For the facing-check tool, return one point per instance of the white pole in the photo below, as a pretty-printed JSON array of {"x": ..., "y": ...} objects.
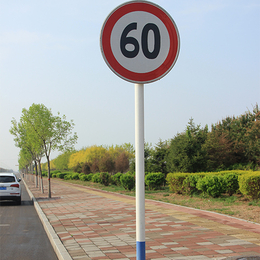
[{"x": 139, "y": 171}]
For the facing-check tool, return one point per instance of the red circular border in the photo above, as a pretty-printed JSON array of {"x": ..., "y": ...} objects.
[{"x": 107, "y": 50}]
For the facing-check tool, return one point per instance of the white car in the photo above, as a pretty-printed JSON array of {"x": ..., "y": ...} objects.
[{"x": 10, "y": 187}]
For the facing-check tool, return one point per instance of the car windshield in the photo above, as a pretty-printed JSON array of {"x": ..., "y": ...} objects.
[{"x": 5, "y": 179}]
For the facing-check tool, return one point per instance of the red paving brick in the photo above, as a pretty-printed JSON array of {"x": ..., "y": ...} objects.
[{"x": 103, "y": 225}]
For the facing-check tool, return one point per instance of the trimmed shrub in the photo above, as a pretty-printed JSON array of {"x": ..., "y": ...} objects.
[
  {"x": 61, "y": 175},
  {"x": 213, "y": 185},
  {"x": 68, "y": 177},
  {"x": 237, "y": 172},
  {"x": 127, "y": 180},
  {"x": 96, "y": 178},
  {"x": 54, "y": 175},
  {"x": 249, "y": 185},
  {"x": 55, "y": 172},
  {"x": 104, "y": 178},
  {"x": 83, "y": 177},
  {"x": 190, "y": 184},
  {"x": 154, "y": 180},
  {"x": 75, "y": 176},
  {"x": 231, "y": 183},
  {"x": 81, "y": 174},
  {"x": 175, "y": 182},
  {"x": 89, "y": 176},
  {"x": 115, "y": 179}
]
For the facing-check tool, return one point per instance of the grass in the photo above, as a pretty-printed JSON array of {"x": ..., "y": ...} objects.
[
  {"x": 254, "y": 203},
  {"x": 226, "y": 211}
]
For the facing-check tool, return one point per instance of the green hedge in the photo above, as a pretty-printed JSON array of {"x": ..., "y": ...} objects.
[
  {"x": 231, "y": 182},
  {"x": 102, "y": 178},
  {"x": 96, "y": 178},
  {"x": 105, "y": 178},
  {"x": 175, "y": 182},
  {"x": 75, "y": 176},
  {"x": 190, "y": 183},
  {"x": 128, "y": 181},
  {"x": 84, "y": 177},
  {"x": 115, "y": 179},
  {"x": 249, "y": 185},
  {"x": 237, "y": 172},
  {"x": 61, "y": 175},
  {"x": 216, "y": 183},
  {"x": 154, "y": 180},
  {"x": 68, "y": 177},
  {"x": 55, "y": 172},
  {"x": 211, "y": 184},
  {"x": 89, "y": 176}
]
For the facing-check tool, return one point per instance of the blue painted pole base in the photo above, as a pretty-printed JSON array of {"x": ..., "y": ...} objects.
[{"x": 140, "y": 250}]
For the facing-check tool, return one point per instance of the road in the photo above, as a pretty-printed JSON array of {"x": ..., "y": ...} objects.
[{"x": 22, "y": 235}]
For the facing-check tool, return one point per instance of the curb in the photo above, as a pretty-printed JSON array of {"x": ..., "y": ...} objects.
[{"x": 58, "y": 247}]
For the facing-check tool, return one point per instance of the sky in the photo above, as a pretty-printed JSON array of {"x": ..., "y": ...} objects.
[{"x": 50, "y": 54}]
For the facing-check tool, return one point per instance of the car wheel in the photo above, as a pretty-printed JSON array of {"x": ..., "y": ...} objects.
[{"x": 18, "y": 201}]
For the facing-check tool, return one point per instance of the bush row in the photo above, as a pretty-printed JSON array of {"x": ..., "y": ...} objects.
[
  {"x": 215, "y": 184},
  {"x": 211, "y": 183},
  {"x": 126, "y": 180}
]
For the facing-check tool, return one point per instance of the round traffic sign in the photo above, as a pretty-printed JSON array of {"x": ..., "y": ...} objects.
[{"x": 140, "y": 41}]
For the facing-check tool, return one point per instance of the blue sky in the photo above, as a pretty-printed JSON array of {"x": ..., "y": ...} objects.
[{"x": 50, "y": 54}]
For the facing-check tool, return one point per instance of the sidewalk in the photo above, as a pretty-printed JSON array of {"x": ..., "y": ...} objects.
[{"x": 99, "y": 225}]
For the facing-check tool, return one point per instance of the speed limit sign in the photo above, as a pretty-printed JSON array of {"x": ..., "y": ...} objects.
[{"x": 140, "y": 41}]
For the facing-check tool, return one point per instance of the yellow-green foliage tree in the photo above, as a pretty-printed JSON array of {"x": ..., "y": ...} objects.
[
  {"x": 121, "y": 157},
  {"x": 100, "y": 159},
  {"x": 90, "y": 155},
  {"x": 45, "y": 166},
  {"x": 76, "y": 158},
  {"x": 61, "y": 162}
]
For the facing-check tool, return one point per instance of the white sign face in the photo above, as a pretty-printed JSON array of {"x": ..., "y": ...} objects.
[
  {"x": 140, "y": 63},
  {"x": 140, "y": 42}
]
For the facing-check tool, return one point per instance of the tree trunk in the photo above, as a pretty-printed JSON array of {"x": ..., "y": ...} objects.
[
  {"x": 36, "y": 174},
  {"x": 31, "y": 171},
  {"x": 26, "y": 172},
  {"x": 49, "y": 176},
  {"x": 40, "y": 174}
]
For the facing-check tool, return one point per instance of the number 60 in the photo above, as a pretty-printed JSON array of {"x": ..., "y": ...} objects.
[{"x": 124, "y": 40}]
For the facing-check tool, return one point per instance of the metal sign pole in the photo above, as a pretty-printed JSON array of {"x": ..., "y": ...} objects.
[
  {"x": 155, "y": 43},
  {"x": 139, "y": 171}
]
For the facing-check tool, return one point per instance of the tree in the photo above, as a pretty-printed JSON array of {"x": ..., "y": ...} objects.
[
  {"x": 53, "y": 132},
  {"x": 61, "y": 162},
  {"x": 106, "y": 163},
  {"x": 186, "y": 153},
  {"x": 25, "y": 159},
  {"x": 235, "y": 141},
  {"x": 160, "y": 157},
  {"x": 122, "y": 162},
  {"x": 219, "y": 153},
  {"x": 28, "y": 143},
  {"x": 99, "y": 158}
]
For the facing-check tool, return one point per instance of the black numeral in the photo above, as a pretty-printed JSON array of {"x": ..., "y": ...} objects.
[{"x": 144, "y": 38}]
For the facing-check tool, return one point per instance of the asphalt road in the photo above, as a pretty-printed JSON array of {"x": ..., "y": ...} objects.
[{"x": 22, "y": 235}]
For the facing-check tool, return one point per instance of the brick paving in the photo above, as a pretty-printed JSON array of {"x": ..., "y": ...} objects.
[{"x": 100, "y": 225}]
